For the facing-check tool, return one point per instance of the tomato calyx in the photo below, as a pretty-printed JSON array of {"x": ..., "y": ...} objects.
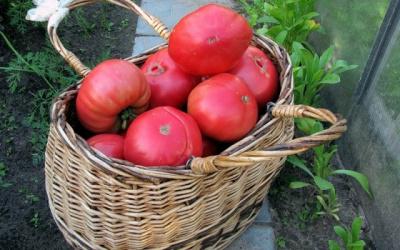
[
  {"x": 245, "y": 99},
  {"x": 126, "y": 116},
  {"x": 212, "y": 40},
  {"x": 156, "y": 69},
  {"x": 165, "y": 129},
  {"x": 261, "y": 64}
]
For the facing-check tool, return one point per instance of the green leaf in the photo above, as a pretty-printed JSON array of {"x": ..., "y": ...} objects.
[
  {"x": 296, "y": 46},
  {"x": 298, "y": 184},
  {"x": 295, "y": 57},
  {"x": 360, "y": 178},
  {"x": 267, "y": 19},
  {"x": 280, "y": 38},
  {"x": 310, "y": 15},
  {"x": 322, "y": 183},
  {"x": 341, "y": 66},
  {"x": 326, "y": 56},
  {"x": 323, "y": 204},
  {"x": 333, "y": 245},
  {"x": 4, "y": 184},
  {"x": 358, "y": 245},
  {"x": 356, "y": 228},
  {"x": 349, "y": 237},
  {"x": 277, "y": 13},
  {"x": 341, "y": 232},
  {"x": 331, "y": 78},
  {"x": 297, "y": 162}
]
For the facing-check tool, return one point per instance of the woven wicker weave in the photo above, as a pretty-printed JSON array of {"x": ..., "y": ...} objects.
[{"x": 103, "y": 203}]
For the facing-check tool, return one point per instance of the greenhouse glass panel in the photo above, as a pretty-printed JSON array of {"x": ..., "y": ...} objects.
[{"x": 351, "y": 26}]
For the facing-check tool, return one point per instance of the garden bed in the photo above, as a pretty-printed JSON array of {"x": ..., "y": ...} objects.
[
  {"x": 292, "y": 213},
  {"x": 95, "y": 33}
]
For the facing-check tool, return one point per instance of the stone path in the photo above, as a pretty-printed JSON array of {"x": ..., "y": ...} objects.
[{"x": 260, "y": 236}]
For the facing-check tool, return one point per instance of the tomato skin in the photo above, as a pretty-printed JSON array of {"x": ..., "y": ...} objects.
[
  {"x": 108, "y": 89},
  {"x": 223, "y": 107},
  {"x": 111, "y": 145},
  {"x": 259, "y": 73},
  {"x": 163, "y": 136},
  {"x": 210, "y": 40},
  {"x": 170, "y": 85}
]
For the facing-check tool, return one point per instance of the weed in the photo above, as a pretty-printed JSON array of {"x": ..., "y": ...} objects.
[
  {"x": 16, "y": 12},
  {"x": 280, "y": 242},
  {"x": 54, "y": 73},
  {"x": 35, "y": 220},
  {"x": 7, "y": 126},
  {"x": 321, "y": 172},
  {"x": 83, "y": 23},
  {"x": 105, "y": 22},
  {"x": 3, "y": 173},
  {"x": 108, "y": 26},
  {"x": 350, "y": 237},
  {"x": 105, "y": 54},
  {"x": 7, "y": 123},
  {"x": 29, "y": 197},
  {"x": 124, "y": 23},
  {"x": 8, "y": 143},
  {"x": 304, "y": 216}
]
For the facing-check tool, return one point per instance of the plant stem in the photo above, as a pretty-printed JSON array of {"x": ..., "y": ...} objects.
[
  {"x": 17, "y": 69},
  {"x": 24, "y": 61}
]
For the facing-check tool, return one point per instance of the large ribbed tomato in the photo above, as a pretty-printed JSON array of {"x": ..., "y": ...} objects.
[
  {"x": 209, "y": 40},
  {"x": 170, "y": 85},
  {"x": 163, "y": 136},
  {"x": 224, "y": 107},
  {"x": 111, "y": 87},
  {"x": 112, "y": 145},
  {"x": 259, "y": 73}
]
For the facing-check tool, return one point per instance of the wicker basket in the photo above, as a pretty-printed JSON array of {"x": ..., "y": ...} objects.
[{"x": 103, "y": 203}]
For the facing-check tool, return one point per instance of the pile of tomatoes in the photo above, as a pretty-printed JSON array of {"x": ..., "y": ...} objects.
[{"x": 205, "y": 88}]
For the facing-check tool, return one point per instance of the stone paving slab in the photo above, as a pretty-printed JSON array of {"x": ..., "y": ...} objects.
[
  {"x": 260, "y": 235},
  {"x": 169, "y": 12},
  {"x": 256, "y": 237},
  {"x": 143, "y": 43}
]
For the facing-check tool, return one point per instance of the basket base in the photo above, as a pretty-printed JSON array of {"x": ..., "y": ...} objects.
[{"x": 211, "y": 242}]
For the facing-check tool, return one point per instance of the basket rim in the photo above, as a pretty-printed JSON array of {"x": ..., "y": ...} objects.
[{"x": 119, "y": 167}]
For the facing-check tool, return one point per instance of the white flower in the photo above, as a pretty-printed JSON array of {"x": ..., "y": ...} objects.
[{"x": 45, "y": 9}]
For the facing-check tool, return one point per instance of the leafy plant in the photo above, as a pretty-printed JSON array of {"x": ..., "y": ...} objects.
[
  {"x": 35, "y": 220},
  {"x": 83, "y": 23},
  {"x": 124, "y": 23},
  {"x": 3, "y": 173},
  {"x": 290, "y": 22},
  {"x": 280, "y": 242},
  {"x": 52, "y": 71},
  {"x": 28, "y": 196},
  {"x": 304, "y": 215},
  {"x": 285, "y": 21},
  {"x": 16, "y": 13},
  {"x": 350, "y": 237},
  {"x": 313, "y": 72},
  {"x": 320, "y": 173}
]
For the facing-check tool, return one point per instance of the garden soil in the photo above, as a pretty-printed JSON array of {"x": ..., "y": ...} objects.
[
  {"x": 292, "y": 212},
  {"x": 25, "y": 218}
]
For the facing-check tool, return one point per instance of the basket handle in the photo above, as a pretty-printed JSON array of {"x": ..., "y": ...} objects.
[
  {"x": 70, "y": 57},
  {"x": 214, "y": 163}
]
